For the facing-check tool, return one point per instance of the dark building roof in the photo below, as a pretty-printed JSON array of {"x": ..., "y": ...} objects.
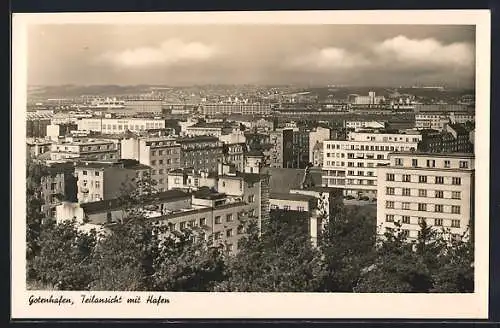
[
  {"x": 197, "y": 139},
  {"x": 114, "y": 204},
  {"x": 284, "y": 179},
  {"x": 295, "y": 197}
]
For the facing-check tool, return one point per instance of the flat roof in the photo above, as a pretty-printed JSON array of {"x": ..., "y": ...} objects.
[{"x": 295, "y": 197}]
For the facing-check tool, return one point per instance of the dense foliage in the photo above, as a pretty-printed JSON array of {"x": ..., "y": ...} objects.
[{"x": 138, "y": 254}]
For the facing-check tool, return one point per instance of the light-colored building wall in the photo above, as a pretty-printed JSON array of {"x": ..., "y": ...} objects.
[
  {"x": 317, "y": 136},
  {"x": 352, "y": 164},
  {"x": 437, "y": 188},
  {"x": 119, "y": 125}
]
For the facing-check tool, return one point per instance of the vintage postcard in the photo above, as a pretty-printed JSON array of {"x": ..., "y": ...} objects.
[{"x": 316, "y": 164}]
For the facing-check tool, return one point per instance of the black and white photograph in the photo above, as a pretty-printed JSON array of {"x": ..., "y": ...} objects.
[{"x": 231, "y": 158}]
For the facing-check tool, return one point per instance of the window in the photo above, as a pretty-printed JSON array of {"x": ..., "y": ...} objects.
[
  {"x": 390, "y": 191},
  {"x": 230, "y": 247},
  {"x": 389, "y": 204},
  {"x": 84, "y": 172},
  {"x": 286, "y": 207},
  {"x": 422, "y": 207},
  {"x": 218, "y": 235},
  {"x": 439, "y": 180},
  {"x": 455, "y": 223},
  {"x": 203, "y": 222},
  {"x": 97, "y": 184},
  {"x": 406, "y": 178},
  {"x": 153, "y": 162},
  {"x": 464, "y": 164},
  {"x": 455, "y": 209},
  {"x": 422, "y": 178},
  {"x": 399, "y": 161},
  {"x": 431, "y": 163},
  {"x": 422, "y": 220},
  {"x": 406, "y": 191},
  {"x": 217, "y": 220},
  {"x": 438, "y": 208},
  {"x": 414, "y": 162},
  {"x": 109, "y": 218},
  {"x": 438, "y": 222},
  {"x": 389, "y": 218},
  {"x": 229, "y": 218},
  {"x": 251, "y": 198},
  {"x": 192, "y": 223},
  {"x": 438, "y": 194},
  {"x": 447, "y": 164},
  {"x": 405, "y": 233},
  {"x": 405, "y": 206},
  {"x": 182, "y": 225},
  {"x": 160, "y": 162},
  {"x": 456, "y": 181},
  {"x": 455, "y": 194},
  {"x": 229, "y": 232},
  {"x": 422, "y": 193},
  {"x": 390, "y": 177},
  {"x": 406, "y": 219},
  {"x": 96, "y": 173},
  {"x": 300, "y": 208}
]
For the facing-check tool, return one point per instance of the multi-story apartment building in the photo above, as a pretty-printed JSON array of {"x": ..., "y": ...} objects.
[
  {"x": 201, "y": 152},
  {"x": 435, "y": 188},
  {"x": 352, "y": 164},
  {"x": 317, "y": 136},
  {"x": 162, "y": 154},
  {"x": 107, "y": 180},
  {"x": 120, "y": 125},
  {"x": 234, "y": 154},
  {"x": 136, "y": 106},
  {"x": 189, "y": 179},
  {"x": 454, "y": 139},
  {"x": 58, "y": 185},
  {"x": 85, "y": 148},
  {"x": 276, "y": 152}
]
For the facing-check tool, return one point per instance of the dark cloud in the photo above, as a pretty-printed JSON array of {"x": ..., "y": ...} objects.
[{"x": 190, "y": 54}]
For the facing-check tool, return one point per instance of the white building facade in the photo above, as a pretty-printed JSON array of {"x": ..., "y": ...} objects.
[
  {"x": 352, "y": 164},
  {"x": 437, "y": 188},
  {"x": 119, "y": 125}
]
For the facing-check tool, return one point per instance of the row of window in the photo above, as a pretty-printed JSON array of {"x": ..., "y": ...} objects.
[
  {"x": 132, "y": 126},
  {"x": 423, "y": 179},
  {"x": 368, "y": 147},
  {"x": 96, "y": 173},
  {"x": 164, "y": 152},
  {"x": 425, "y": 193},
  {"x": 405, "y": 219},
  {"x": 438, "y": 208},
  {"x": 431, "y": 163},
  {"x": 288, "y": 208}
]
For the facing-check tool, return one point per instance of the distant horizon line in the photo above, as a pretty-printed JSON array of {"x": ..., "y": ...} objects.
[{"x": 416, "y": 86}]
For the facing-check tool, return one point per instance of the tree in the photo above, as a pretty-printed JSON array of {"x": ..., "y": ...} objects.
[
  {"x": 64, "y": 260},
  {"x": 348, "y": 246},
  {"x": 34, "y": 216},
  {"x": 282, "y": 259}
]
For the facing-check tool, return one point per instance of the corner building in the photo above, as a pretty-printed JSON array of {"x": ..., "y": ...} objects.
[{"x": 437, "y": 188}]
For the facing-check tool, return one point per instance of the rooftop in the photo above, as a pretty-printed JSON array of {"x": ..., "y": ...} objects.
[
  {"x": 283, "y": 179},
  {"x": 295, "y": 197}
]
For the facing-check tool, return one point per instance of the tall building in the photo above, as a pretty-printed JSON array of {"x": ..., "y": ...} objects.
[
  {"x": 234, "y": 153},
  {"x": 435, "y": 188},
  {"x": 201, "y": 152},
  {"x": 352, "y": 164},
  {"x": 276, "y": 151},
  {"x": 57, "y": 186},
  {"x": 107, "y": 180},
  {"x": 317, "y": 136},
  {"x": 162, "y": 154},
  {"x": 85, "y": 148},
  {"x": 36, "y": 124}
]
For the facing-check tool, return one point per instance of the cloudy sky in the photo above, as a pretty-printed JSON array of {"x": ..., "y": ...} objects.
[{"x": 364, "y": 55}]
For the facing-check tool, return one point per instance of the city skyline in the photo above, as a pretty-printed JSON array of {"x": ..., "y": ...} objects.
[{"x": 354, "y": 55}]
